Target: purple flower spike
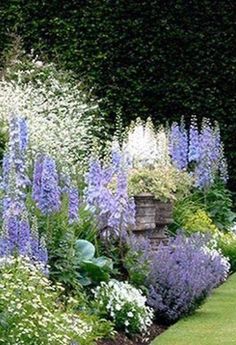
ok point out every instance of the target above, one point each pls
(24, 238)
(179, 146)
(194, 145)
(49, 200)
(23, 134)
(38, 169)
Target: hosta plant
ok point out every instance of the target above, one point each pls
(74, 263)
(124, 305)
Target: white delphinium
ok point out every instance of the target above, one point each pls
(61, 122)
(145, 146)
(125, 305)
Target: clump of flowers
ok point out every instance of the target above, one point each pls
(30, 309)
(124, 305)
(183, 273)
(201, 152)
(62, 121)
(107, 195)
(16, 235)
(145, 146)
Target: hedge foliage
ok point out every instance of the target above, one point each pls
(163, 59)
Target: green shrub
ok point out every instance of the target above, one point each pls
(227, 244)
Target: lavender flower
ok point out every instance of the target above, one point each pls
(37, 176)
(205, 170)
(107, 195)
(194, 148)
(178, 146)
(49, 200)
(73, 205)
(23, 131)
(183, 273)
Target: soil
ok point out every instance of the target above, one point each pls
(122, 339)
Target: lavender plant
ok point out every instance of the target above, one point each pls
(179, 146)
(183, 273)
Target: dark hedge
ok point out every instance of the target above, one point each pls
(158, 58)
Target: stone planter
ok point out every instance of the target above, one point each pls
(145, 212)
(164, 212)
(152, 218)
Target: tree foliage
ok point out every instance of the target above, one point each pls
(163, 59)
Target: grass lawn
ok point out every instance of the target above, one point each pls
(213, 324)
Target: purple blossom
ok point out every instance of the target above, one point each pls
(179, 146)
(205, 169)
(37, 176)
(23, 133)
(73, 205)
(49, 200)
(194, 145)
(24, 237)
(107, 196)
(182, 274)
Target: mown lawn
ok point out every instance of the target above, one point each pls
(213, 324)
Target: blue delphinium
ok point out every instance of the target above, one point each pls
(16, 237)
(37, 176)
(49, 200)
(107, 196)
(207, 166)
(179, 146)
(194, 145)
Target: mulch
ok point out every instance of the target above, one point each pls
(122, 339)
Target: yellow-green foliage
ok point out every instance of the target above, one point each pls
(227, 244)
(199, 221)
(165, 182)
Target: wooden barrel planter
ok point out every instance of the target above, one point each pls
(152, 218)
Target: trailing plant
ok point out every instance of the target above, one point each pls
(124, 305)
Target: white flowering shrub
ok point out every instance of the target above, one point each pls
(61, 121)
(124, 305)
(30, 313)
(145, 146)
